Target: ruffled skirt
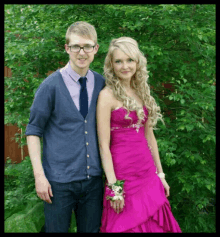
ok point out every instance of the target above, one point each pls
(146, 210)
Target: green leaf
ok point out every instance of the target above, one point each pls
(182, 101)
(189, 127)
(181, 127)
(200, 37)
(30, 222)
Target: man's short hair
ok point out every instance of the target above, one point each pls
(83, 29)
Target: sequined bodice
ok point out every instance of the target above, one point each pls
(118, 121)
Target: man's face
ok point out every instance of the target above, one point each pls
(81, 60)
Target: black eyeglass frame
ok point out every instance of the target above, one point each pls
(81, 48)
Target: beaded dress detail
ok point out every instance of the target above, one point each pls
(146, 207)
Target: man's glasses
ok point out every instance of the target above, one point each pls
(76, 48)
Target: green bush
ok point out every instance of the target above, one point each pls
(24, 211)
(179, 43)
(30, 220)
(19, 187)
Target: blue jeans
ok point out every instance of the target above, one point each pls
(84, 197)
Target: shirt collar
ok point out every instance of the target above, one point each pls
(75, 76)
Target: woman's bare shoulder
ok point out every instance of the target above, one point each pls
(106, 93)
(107, 97)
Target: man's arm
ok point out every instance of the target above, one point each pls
(40, 113)
(34, 150)
(43, 187)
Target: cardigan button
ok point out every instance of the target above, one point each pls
(85, 121)
(87, 143)
(86, 132)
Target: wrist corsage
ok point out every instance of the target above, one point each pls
(161, 175)
(115, 191)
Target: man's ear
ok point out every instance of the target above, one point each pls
(96, 48)
(67, 48)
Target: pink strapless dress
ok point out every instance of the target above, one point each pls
(146, 207)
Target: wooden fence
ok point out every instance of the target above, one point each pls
(11, 147)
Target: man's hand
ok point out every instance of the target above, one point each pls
(43, 188)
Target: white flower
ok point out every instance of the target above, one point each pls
(117, 189)
(117, 198)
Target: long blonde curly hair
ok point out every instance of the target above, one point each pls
(138, 81)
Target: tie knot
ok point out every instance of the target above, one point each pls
(82, 81)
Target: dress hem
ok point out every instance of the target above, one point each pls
(155, 208)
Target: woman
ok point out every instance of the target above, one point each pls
(136, 191)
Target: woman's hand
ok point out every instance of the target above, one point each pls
(166, 186)
(118, 205)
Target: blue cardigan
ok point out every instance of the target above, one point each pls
(70, 143)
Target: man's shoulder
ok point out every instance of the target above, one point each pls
(52, 79)
(50, 83)
(55, 76)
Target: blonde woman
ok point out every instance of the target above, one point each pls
(136, 191)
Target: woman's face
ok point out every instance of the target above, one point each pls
(124, 67)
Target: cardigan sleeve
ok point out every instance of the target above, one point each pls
(40, 110)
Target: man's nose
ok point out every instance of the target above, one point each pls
(81, 51)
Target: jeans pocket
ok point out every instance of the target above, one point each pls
(95, 188)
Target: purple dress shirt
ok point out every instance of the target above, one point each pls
(71, 80)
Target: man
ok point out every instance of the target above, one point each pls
(64, 114)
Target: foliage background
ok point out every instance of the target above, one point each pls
(179, 43)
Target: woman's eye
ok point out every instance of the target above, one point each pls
(130, 60)
(118, 61)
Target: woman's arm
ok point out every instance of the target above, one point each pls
(152, 143)
(104, 106)
(149, 134)
(103, 109)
